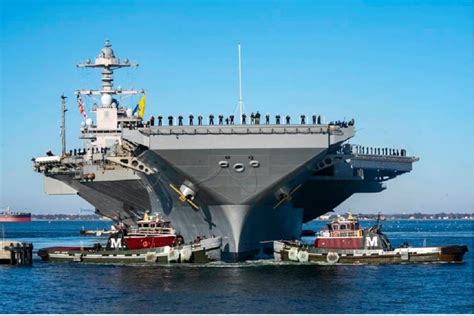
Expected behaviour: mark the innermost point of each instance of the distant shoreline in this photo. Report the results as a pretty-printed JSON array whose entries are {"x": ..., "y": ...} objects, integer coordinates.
[
  {"x": 412, "y": 216},
  {"x": 408, "y": 219},
  {"x": 68, "y": 217},
  {"x": 70, "y": 220}
]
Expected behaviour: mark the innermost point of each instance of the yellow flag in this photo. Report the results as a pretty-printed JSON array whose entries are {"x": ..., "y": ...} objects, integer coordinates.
[{"x": 141, "y": 107}]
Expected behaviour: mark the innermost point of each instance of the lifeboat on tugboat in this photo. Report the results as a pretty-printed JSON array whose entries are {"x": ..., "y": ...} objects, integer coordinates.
[
  {"x": 154, "y": 240},
  {"x": 345, "y": 242}
]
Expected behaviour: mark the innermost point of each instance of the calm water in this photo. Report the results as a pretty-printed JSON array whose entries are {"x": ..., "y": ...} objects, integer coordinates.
[{"x": 250, "y": 287}]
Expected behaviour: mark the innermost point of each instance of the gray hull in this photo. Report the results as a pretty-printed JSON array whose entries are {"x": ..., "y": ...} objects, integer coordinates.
[{"x": 239, "y": 206}]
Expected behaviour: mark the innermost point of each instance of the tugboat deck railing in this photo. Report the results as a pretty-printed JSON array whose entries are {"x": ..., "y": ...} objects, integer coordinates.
[
  {"x": 339, "y": 233},
  {"x": 152, "y": 231}
]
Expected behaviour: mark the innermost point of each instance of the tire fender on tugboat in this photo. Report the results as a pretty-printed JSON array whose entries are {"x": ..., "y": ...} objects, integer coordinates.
[
  {"x": 293, "y": 254},
  {"x": 332, "y": 257},
  {"x": 303, "y": 256},
  {"x": 173, "y": 255},
  {"x": 185, "y": 254},
  {"x": 151, "y": 257}
]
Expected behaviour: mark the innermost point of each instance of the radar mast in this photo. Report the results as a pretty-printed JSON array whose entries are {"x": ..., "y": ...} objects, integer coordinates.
[{"x": 108, "y": 62}]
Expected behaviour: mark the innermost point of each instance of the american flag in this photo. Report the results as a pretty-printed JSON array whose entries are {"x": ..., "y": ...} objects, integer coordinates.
[{"x": 81, "y": 106}]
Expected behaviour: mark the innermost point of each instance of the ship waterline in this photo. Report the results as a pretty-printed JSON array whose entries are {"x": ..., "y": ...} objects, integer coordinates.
[
  {"x": 8, "y": 218},
  {"x": 248, "y": 183}
]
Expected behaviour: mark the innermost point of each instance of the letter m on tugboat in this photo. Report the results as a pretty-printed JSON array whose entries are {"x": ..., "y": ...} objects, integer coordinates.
[
  {"x": 116, "y": 243},
  {"x": 371, "y": 241}
]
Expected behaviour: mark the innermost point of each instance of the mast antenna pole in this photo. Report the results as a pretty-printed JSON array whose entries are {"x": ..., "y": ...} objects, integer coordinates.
[
  {"x": 63, "y": 124},
  {"x": 241, "y": 99}
]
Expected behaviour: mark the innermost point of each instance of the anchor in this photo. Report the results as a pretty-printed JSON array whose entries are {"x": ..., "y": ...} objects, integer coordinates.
[
  {"x": 285, "y": 197},
  {"x": 184, "y": 198}
]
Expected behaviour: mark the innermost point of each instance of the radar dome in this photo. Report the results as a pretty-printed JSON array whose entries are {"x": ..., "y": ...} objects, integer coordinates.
[
  {"x": 106, "y": 99},
  {"x": 89, "y": 122},
  {"x": 107, "y": 52}
]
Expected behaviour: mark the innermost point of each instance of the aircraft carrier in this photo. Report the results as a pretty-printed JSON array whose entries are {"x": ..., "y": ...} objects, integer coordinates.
[{"x": 250, "y": 182}]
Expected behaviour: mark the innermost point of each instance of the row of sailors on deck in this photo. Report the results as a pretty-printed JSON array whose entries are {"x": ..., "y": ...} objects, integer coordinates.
[
  {"x": 378, "y": 151},
  {"x": 83, "y": 151},
  {"x": 254, "y": 120}
]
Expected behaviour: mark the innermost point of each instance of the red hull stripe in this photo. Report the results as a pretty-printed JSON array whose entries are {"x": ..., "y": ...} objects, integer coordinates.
[
  {"x": 15, "y": 219},
  {"x": 339, "y": 243},
  {"x": 139, "y": 242}
]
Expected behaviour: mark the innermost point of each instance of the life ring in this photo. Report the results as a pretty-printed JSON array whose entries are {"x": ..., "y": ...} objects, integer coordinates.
[
  {"x": 145, "y": 244},
  {"x": 293, "y": 254},
  {"x": 303, "y": 256},
  {"x": 332, "y": 257}
]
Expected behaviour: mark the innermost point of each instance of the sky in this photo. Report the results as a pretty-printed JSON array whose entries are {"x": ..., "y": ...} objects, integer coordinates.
[{"x": 402, "y": 69}]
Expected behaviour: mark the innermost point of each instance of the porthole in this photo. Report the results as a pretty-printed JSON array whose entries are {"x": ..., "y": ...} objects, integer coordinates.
[
  {"x": 328, "y": 161},
  {"x": 238, "y": 167},
  {"x": 134, "y": 163},
  {"x": 224, "y": 164},
  {"x": 140, "y": 167},
  {"x": 254, "y": 163}
]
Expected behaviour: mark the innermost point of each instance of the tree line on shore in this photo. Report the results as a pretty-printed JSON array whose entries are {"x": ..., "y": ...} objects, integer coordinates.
[{"x": 394, "y": 216}]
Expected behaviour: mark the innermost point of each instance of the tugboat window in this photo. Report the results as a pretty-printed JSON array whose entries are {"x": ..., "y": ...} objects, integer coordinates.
[{"x": 343, "y": 227}]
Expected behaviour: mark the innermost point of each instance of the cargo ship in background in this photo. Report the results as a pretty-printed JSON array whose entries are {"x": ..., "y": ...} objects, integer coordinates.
[
  {"x": 14, "y": 217},
  {"x": 246, "y": 178}
]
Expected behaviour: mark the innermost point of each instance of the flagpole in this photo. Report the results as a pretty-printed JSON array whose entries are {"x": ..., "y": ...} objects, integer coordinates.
[
  {"x": 63, "y": 124},
  {"x": 241, "y": 99}
]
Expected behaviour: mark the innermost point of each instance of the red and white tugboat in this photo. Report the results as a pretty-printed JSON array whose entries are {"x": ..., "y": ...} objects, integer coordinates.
[
  {"x": 344, "y": 241},
  {"x": 153, "y": 240}
]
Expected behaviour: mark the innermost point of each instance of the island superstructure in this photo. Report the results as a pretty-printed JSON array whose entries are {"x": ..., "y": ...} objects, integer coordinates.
[{"x": 248, "y": 183}]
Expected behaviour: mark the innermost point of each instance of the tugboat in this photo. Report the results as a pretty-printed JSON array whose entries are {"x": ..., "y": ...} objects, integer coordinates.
[
  {"x": 345, "y": 242},
  {"x": 154, "y": 240}
]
